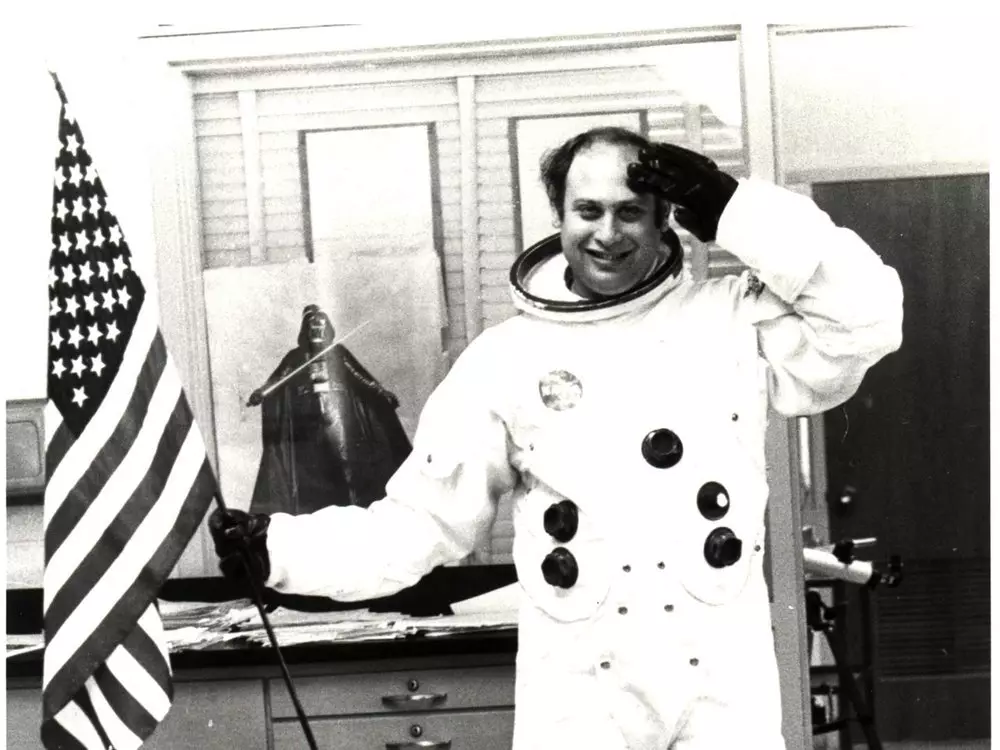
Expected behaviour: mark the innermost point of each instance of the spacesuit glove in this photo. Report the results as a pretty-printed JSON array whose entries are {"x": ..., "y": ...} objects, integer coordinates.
[
  {"x": 241, "y": 538},
  {"x": 688, "y": 179}
]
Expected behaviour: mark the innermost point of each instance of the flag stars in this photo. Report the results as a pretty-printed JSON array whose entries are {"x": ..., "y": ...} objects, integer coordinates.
[
  {"x": 97, "y": 365},
  {"x": 79, "y": 396},
  {"x": 88, "y": 301},
  {"x": 75, "y": 337},
  {"x": 124, "y": 297},
  {"x": 82, "y": 241},
  {"x": 94, "y": 333},
  {"x": 67, "y": 275},
  {"x": 109, "y": 300},
  {"x": 115, "y": 234},
  {"x": 95, "y": 203},
  {"x": 72, "y": 144},
  {"x": 54, "y": 308},
  {"x": 78, "y": 209},
  {"x": 60, "y": 178},
  {"x": 79, "y": 367},
  {"x": 102, "y": 270},
  {"x": 75, "y": 175},
  {"x": 72, "y": 305},
  {"x": 58, "y": 367},
  {"x": 57, "y": 339},
  {"x": 53, "y": 277},
  {"x": 120, "y": 265},
  {"x": 61, "y": 210},
  {"x": 65, "y": 244},
  {"x": 113, "y": 331},
  {"x": 85, "y": 274}
]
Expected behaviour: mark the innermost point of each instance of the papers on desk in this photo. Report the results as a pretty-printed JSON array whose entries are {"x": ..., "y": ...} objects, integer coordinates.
[
  {"x": 196, "y": 625},
  {"x": 23, "y": 643}
]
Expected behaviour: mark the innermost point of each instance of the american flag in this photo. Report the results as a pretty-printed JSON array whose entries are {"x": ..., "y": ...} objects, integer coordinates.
[{"x": 127, "y": 479}]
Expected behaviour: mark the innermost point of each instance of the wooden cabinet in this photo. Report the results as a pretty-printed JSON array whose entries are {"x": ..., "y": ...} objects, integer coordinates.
[
  {"x": 218, "y": 714},
  {"x": 24, "y": 719},
  {"x": 421, "y": 707},
  {"x": 444, "y": 730},
  {"x": 451, "y": 702},
  {"x": 398, "y": 691}
]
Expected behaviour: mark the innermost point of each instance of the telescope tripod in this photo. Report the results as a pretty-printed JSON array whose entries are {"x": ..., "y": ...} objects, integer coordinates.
[{"x": 821, "y": 618}]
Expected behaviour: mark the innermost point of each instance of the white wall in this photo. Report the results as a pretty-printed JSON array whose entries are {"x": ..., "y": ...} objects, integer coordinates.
[
  {"x": 868, "y": 99},
  {"x": 107, "y": 82}
]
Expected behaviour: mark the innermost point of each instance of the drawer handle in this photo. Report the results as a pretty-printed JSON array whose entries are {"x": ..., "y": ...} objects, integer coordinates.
[
  {"x": 414, "y": 700},
  {"x": 415, "y": 744}
]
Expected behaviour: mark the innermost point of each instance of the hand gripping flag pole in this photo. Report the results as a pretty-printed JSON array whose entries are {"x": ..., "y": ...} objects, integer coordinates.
[{"x": 258, "y": 598}]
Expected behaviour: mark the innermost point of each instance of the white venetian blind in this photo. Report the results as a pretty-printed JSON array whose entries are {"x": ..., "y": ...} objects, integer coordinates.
[{"x": 250, "y": 147}]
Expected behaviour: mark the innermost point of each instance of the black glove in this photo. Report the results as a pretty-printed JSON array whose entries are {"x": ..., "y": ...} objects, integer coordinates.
[
  {"x": 241, "y": 537},
  {"x": 693, "y": 182}
]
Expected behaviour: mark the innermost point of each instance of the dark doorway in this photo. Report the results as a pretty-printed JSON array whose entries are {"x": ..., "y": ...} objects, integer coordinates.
[{"x": 908, "y": 455}]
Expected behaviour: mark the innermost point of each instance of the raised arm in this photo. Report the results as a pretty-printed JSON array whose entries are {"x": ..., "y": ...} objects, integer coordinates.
[{"x": 828, "y": 309}]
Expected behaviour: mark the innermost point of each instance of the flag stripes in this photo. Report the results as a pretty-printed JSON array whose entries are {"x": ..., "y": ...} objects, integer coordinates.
[
  {"x": 112, "y": 477},
  {"x": 75, "y": 726},
  {"x": 102, "y": 614},
  {"x": 80, "y": 456},
  {"x": 106, "y": 548}
]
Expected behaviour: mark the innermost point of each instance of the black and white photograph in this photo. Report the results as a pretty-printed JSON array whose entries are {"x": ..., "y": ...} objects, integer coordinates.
[{"x": 608, "y": 383}]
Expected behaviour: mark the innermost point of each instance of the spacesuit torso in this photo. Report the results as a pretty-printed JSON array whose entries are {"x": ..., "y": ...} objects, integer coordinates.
[
  {"x": 650, "y": 424},
  {"x": 631, "y": 441}
]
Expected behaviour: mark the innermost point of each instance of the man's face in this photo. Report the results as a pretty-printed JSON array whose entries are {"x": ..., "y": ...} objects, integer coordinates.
[{"x": 609, "y": 233}]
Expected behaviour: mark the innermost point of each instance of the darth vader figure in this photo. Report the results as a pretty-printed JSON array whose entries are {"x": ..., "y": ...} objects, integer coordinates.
[{"x": 330, "y": 431}]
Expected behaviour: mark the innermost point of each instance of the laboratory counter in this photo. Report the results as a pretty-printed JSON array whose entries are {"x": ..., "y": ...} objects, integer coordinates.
[{"x": 447, "y": 690}]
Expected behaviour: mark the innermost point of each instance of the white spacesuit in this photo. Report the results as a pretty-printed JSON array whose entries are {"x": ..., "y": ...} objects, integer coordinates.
[{"x": 632, "y": 438}]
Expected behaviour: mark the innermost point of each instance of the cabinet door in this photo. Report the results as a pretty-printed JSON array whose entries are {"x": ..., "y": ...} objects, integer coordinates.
[
  {"x": 24, "y": 719},
  {"x": 473, "y": 730},
  {"x": 224, "y": 714},
  {"x": 391, "y": 692}
]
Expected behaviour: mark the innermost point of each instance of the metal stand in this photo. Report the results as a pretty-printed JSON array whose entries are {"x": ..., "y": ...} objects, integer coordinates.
[
  {"x": 822, "y": 619},
  {"x": 839, "y": 568}
]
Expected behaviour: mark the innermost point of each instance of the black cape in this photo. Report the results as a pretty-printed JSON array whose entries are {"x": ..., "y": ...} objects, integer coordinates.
[{"x": 332, "y": 443}]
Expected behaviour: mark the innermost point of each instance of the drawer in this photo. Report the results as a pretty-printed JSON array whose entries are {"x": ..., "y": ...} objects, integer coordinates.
[
  {"x": 388, "y": 692},
  {"x": 25, "y": 448},
  {"x": 468, "y": 730}
]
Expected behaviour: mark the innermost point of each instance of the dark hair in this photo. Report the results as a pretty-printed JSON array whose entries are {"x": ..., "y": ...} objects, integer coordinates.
[{"x": 555, "y": 164}]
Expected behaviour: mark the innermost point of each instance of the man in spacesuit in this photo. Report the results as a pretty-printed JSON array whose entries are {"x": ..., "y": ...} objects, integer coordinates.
[{"x": 625, "y": 409}]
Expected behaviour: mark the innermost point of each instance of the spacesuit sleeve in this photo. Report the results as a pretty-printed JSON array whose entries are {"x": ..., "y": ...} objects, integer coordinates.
[
  {"x": 437, "y": 505},
  {"x": 829, "y": 308}
]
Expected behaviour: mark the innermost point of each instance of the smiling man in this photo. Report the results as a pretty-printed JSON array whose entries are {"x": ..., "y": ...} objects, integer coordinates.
[
  {"x": 610, "y": 235},
  {"x": 624, "y": 411}
]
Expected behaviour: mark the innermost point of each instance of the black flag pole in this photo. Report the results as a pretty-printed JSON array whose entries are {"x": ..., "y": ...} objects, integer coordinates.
[{"x": 258, "y": 597}]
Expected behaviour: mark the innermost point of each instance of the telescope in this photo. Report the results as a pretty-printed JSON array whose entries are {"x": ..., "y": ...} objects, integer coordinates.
[{"x": 837, "y": 561}]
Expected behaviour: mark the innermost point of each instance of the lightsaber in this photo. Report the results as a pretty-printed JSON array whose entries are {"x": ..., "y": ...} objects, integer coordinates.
[{"x": 263, "y": 393}]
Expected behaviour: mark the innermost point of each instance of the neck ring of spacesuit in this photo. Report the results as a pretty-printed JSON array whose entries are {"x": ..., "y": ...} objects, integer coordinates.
[{"x": 583, "y": 308}]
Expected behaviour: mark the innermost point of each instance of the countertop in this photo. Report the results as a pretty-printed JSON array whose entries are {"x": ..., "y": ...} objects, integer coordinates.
[{"x": 433, "y": 595}]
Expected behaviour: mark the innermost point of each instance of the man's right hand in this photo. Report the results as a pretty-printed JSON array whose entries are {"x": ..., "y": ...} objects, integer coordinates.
[{"x": 241, "y": 538}]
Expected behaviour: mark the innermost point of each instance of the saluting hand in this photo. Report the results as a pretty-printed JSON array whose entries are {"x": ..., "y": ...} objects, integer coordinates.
[{"x": 688, "y": 179}]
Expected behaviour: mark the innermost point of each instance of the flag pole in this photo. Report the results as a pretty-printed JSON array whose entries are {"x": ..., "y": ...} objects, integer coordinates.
[{"x": 258, "y": 598}]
